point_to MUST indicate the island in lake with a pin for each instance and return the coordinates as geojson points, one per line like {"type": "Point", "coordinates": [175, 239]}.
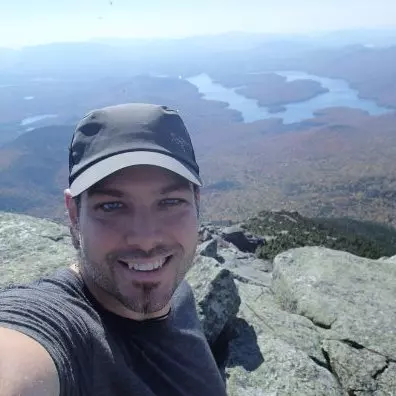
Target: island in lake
{"type": "Point", "coordinates": [271, 90]}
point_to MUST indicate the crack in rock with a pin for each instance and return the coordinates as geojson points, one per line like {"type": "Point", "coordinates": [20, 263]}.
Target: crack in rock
{"type": "Point", "coordinates": [321, 325]}
{"type": "Point", "coordinates": [317, 323]}
{"type": "Point", "coordinates": [356, 345]}
{"type": "Point", "coordinates": [330, 368]}
{"type": "Point", "coordinates": [352, 344]}
{"type": "Point", "coordinates": [249, 281]}
{"type": "Point", "coordinates": [57, 238]}
{"type": "Point", "coordinates": [379, 372]}
{"type": "Point", "coordinates": [321, 364]}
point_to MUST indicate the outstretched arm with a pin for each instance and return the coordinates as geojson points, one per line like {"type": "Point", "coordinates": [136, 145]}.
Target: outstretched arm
{"type": "Point", "coordinates": [26, 368]}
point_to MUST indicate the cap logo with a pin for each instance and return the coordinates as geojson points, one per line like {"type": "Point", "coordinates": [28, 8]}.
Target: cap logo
{"type": "Point", "coordinates": [179, 141]}
{"type": "Point", "coordinates": [91, 128]}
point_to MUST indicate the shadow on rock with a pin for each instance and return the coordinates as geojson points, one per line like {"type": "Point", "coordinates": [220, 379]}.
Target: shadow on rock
{"type": "Point", "coordinates": [243, 349]}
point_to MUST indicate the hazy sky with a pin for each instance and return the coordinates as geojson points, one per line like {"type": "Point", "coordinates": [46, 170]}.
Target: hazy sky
{"type": "Point", "coordinates": [26, 22]}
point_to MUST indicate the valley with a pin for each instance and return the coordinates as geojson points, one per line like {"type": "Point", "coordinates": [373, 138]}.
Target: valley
{"type": "Point", "coordinates": [335, 159]}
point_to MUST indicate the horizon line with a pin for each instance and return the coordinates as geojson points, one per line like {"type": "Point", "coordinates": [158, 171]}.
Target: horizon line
{"type": "Point", "coordinates": [307, 34]}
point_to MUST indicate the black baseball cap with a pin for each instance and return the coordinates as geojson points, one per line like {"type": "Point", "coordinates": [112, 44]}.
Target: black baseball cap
{"type": "Point", "coordinates": [109, 139]}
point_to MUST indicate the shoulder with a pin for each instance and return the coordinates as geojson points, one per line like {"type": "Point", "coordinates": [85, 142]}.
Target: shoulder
{"type": "Point", "coordinates": [54, 304]}
{"type": "Point", "coordinates": [62, 292]}
{"type": "Point", "coordinates": [54, 312]}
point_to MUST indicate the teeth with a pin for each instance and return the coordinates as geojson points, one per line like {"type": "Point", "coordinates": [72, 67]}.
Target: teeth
{"type": "Point", "coordinates": [147, 266]}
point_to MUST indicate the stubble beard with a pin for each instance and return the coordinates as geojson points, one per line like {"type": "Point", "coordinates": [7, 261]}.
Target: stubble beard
{"type": "Point", "coordinates": [146, 298]}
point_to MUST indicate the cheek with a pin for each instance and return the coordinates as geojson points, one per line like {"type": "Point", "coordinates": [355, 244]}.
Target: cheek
{"type": "Point", "coordinates": [183, 228]}
{"type": "Point", "coordinates": [98, 238]}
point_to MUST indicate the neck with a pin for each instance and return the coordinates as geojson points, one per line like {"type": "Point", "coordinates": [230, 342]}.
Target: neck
{"type": "Point", "coordinates": [112, 305]}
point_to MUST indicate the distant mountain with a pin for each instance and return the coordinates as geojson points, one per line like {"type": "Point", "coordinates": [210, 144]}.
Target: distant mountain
{"type": "Point", "coordinates": [376, 80]}
{"type": "Point", "coordinates": [367, 37]}
{"type": "Point", "coordinates": [185, 56]}
{"type": "Point", "coordinates": [33, 171]}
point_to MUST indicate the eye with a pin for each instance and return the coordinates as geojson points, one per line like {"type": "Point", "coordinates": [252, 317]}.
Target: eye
{"type": "Point", "coordinates": [109, 206]}
{"type": "Point", "coordinates": [170, 202]}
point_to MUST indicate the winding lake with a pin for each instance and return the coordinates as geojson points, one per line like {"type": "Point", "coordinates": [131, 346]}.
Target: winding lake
{"type": "Point", "coordinates": [34, 119]}
{"type": "Point", "coordinates": [340, 94]}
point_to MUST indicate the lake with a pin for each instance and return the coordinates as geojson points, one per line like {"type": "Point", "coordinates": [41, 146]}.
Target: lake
{"type": "Point", "coordinates": [340, 95]}
{"type": "Point", "coordinates": [34, 119]}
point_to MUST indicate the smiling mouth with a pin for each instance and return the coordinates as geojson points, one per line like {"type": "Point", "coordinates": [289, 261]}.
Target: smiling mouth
{"type": "Point", "coordinates": [151, 266]}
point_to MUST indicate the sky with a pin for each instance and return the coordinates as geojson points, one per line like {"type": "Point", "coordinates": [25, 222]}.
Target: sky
{"type": "Point", "coordinates": [24, 22]}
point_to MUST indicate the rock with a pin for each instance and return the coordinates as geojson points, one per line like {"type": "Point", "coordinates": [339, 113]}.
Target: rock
{"type": "Point", "coordinates": [215, 293]}
{"type": "Point", "coordinates": [208, 248]}
{"type": "Point", "coordinates": [387, 381]}
{"type": "Point", "coordinates": [284, 371]}
{"type": "Point", "coordinates": [352, 296]}
{"type": "Point", "coordinates": [222, 244]}
{"type": "Point", "coordinates": [385, 258]}
{"type": "Point", "coordinates": [246, 266]}
{"type": "Point", "coordinates": [32, 247]}
{"type": "Point", "coordinates": [205, 233]}
{"type": "Point", "coordinates": [250, 271]}
{"type": "Point", "coordinates": [236, 236]}
{"type": "Point", "coordinates": [389, 259]}
{"type": "Point", "coordinates": [352, 299]}
{"type": "Point", "coordinates": [260, 309]}
{"type": "Point", "coordinates": [355, 368]}
{"type": "Point", "coordinates": [206, 236]}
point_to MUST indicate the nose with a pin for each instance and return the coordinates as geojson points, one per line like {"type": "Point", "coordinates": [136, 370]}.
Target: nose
{"type": "Point", "coordinates": [143, 231]}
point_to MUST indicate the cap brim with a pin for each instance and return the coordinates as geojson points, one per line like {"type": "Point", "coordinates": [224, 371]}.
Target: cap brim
{"type": "Point", "coordinates": [112, 164]}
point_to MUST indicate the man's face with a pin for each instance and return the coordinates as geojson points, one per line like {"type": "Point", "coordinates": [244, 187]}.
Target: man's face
{"type": "Point", "coordinates": [132, 222]}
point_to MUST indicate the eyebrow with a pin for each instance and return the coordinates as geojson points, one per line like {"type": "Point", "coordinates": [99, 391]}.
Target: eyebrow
{"type": "Point", "coordinates": [113, 192]}
{"type": "Point", "coordinates": [177, 186]}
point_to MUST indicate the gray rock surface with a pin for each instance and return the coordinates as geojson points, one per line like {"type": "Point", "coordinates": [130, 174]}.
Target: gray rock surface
{"type": "Point", "coordinates": [353, 297]}
{"type": "Point", "coordinates": [238, 237]}
{"type": "Point", "coordinates": [284, 370]}
{"type": "Point", "coordinates": [31, 247]}
{"type": "Point", "coordinates": [208, 248]}
{"type": "Point", "coordinates": [389, 259]}
{"type": "Point", "coordinates": [353, 300]}
{"type": "Point", "coordinates": [355, 368]}
{"type": "Point", "coordinates": [216, 295]}
{"type": "Point", "coordinates": [387, 381]}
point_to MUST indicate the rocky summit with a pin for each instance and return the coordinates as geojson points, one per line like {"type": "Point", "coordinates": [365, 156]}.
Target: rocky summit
{"type": "Point", "coordinates": [312, 320]}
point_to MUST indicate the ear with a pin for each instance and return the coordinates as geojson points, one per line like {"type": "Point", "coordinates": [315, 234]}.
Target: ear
{"type": "Point", "coordinates": [72, 209]}
{"type": "Point", "coordinates": [197, 196]}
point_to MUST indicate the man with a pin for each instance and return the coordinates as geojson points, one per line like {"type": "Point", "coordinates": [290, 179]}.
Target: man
{"type": "Point", "coordinates": [122, 321]}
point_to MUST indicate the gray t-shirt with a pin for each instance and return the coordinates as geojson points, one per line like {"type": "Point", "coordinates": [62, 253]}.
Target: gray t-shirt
{"type": "Point", "coordinates": [99, 353]}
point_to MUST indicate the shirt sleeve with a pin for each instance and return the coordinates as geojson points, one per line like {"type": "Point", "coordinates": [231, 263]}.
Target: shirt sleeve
{"type": "Point", "coordinates": [51, 321]}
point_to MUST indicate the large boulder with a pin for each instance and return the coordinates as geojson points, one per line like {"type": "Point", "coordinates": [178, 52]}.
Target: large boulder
{"type": "Point", "coordinates": [275, 353]}
{"type": "Point", "coordinates": [215, 293]}
{"type": "Point", "coordinates": [352, 299]}
{"type": "Point", "coordinates": [241, 239]}
{"type": "Point", "coordinates": [208, 248]}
